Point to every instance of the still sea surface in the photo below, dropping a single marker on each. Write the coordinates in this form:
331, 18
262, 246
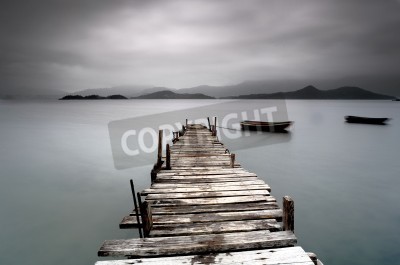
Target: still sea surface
61, 196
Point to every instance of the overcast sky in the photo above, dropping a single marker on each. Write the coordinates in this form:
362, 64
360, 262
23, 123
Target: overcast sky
72, 45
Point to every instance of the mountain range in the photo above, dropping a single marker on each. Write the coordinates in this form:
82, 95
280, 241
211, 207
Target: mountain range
243, 90
308, 92
311, 92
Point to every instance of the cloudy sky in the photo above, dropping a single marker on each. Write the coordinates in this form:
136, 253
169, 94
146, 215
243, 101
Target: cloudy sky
72, 45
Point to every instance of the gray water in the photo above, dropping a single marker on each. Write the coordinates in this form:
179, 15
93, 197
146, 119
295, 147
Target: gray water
60, 195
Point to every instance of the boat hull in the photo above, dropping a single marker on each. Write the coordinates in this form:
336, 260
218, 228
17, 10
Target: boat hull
265, 126
366, 120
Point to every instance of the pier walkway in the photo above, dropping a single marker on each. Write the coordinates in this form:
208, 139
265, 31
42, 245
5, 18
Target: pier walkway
204, 208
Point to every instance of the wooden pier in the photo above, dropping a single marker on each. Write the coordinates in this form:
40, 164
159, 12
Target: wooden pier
204, 208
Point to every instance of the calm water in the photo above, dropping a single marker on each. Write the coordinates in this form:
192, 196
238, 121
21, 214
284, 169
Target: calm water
60, 195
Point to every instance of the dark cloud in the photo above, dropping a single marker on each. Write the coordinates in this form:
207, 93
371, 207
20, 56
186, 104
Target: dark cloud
71, 45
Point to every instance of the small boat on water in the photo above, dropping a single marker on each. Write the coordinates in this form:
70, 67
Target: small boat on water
265, 126
396, 99
366, 120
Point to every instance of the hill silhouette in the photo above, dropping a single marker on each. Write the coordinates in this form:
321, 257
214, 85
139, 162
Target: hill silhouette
167, 94
91, 97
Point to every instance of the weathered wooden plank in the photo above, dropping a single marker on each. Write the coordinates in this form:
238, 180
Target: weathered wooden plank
205, 189
205, 194
214, 227
187, 165
207, 180
129, 222
205, 155
205, 171
277, 256
217, 200
200, 163
234, 207
167, 185
201, 169
186, 245
236, 175
206, 217
199, 160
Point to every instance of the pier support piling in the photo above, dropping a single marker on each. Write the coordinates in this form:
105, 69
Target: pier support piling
215, 126
160, 140
233, 156
168, 158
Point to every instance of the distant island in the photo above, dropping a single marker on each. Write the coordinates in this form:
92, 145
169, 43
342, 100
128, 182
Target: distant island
311, 92
167, 94
91, 97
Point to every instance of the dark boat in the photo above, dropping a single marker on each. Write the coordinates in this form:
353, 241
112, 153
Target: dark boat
396, 99
265, 126
366, 120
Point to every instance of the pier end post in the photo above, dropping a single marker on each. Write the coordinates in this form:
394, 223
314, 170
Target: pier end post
288, 214
147, 218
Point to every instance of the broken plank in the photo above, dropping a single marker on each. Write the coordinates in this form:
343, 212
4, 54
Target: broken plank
198, 244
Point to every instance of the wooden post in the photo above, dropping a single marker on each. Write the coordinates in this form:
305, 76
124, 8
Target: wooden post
160, 139
147, 218
154, 171
313, 257
136, 208
209, 124
168, 158
233, 160
212, 130
175, 136
139, 198
186, 122
215, 126
288, 214
182, 133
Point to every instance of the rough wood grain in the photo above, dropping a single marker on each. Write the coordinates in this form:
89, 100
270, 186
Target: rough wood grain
205, 188
218, 200
214, 227
288, 213
205, 194
167, 185
290, 255
199, 244
207, 217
